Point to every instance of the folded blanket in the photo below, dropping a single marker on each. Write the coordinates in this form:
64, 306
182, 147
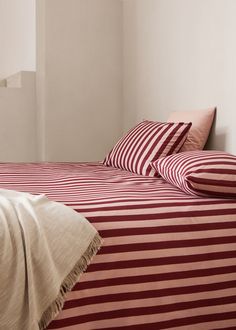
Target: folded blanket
44, 248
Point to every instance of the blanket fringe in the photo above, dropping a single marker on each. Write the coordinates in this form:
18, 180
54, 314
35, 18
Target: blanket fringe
53, 310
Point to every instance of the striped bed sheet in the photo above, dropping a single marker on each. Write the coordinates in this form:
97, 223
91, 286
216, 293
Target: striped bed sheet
168, 260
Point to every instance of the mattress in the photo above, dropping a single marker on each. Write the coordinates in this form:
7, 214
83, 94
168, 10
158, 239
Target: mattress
168, 260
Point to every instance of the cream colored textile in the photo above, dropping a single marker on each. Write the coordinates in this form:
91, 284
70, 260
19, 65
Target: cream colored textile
44, 247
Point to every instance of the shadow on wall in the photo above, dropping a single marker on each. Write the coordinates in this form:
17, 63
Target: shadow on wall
18, 118
218, 137
14, 81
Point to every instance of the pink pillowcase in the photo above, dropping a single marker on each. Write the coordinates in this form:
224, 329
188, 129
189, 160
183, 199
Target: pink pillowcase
145, 143
201, 125
203, 173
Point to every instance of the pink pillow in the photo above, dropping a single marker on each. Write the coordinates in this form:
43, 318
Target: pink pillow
145, 143
201, 125
203, 173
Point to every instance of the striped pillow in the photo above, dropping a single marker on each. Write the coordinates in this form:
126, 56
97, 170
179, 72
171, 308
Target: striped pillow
203, 173
145, 143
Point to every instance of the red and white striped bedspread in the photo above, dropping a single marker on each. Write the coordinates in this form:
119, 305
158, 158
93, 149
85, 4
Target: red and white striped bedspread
168, 260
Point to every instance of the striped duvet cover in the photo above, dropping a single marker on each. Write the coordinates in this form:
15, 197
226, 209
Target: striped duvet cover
168, 260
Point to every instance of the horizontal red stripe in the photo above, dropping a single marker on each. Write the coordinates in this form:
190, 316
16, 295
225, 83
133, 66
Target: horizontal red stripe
221, 170
167, 244
200, 319
221, 193
154, 205
127, 312
149, 294
163, 216
228, 328
212, 182
156, 277
161, 261
191, 227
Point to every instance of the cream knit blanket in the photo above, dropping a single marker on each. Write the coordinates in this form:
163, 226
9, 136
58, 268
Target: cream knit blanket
44, 248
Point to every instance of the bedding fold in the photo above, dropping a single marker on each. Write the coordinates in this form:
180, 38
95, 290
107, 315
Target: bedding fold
45, 247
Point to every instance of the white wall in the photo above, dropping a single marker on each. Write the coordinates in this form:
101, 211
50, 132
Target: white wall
17, 36
180, 54
80, 69
18, 120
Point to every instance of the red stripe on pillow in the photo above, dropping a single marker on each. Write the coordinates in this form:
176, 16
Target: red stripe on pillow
147, 142
200, 172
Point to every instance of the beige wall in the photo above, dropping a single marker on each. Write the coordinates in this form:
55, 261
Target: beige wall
17, 36
180, 54
18, 119
80, 69
172, 54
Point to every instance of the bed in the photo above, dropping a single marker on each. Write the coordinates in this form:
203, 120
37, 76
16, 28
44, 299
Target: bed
168, 260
